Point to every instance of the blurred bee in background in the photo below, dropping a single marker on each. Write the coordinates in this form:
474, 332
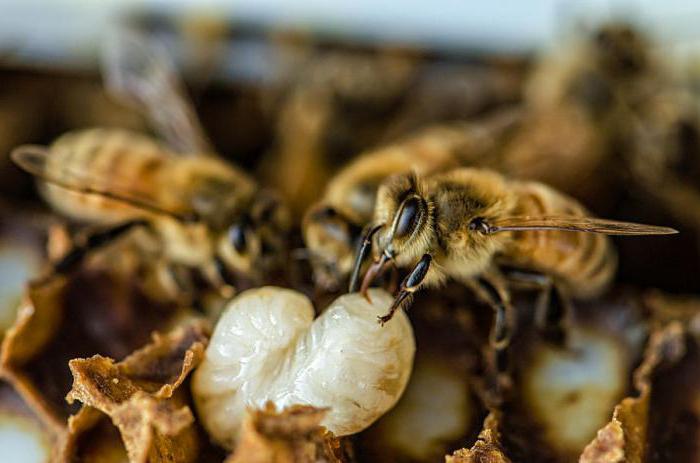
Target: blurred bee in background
198, 211
606, 107
332, 226
578, 99
613, 124
658, 135
347, 101
446, 92
467, 223
336, 105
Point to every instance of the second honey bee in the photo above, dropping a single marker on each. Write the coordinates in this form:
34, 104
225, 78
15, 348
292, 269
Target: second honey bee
464, 223
201, 212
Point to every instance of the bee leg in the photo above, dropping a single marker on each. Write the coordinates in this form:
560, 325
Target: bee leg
551, 313
494, 293
158, 281
491, 289
218, 277
556, 316
409, 285
497, 378
506, 320
363, 250
86, 244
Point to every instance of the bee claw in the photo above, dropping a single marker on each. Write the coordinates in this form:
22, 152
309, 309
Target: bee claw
382, 319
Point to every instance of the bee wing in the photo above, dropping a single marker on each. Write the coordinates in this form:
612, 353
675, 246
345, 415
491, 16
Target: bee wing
578, 224
33, 159
139, 71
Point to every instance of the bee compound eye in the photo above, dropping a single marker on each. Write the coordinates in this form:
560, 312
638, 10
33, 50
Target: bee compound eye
408, 219
237, 238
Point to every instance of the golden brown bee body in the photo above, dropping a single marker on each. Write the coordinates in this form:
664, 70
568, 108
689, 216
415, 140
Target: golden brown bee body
583, 263
203, 212
121, 161
332, 225
579, 100
460, 223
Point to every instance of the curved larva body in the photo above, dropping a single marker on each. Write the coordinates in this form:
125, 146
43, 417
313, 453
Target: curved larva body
267, 347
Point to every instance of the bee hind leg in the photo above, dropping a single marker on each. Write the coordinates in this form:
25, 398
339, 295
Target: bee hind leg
409, 285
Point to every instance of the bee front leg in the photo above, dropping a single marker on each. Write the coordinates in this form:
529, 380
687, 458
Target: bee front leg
363, 250
409, 285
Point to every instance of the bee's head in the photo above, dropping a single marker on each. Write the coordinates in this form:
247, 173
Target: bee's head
330, 238
453, 210
254, 236
407, 218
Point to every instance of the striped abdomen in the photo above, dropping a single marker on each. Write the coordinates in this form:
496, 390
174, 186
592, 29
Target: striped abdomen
112, 160
584, 263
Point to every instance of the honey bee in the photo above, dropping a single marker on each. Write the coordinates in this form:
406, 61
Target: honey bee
332, 226
202, 212
466, 222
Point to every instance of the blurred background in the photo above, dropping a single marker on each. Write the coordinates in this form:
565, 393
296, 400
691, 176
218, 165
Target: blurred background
607, 96
65, 32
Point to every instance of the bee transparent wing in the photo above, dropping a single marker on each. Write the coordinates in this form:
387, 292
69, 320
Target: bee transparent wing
577, 224
33, 159
139, 71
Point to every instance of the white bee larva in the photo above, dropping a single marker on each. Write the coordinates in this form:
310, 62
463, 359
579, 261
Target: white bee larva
268, 347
